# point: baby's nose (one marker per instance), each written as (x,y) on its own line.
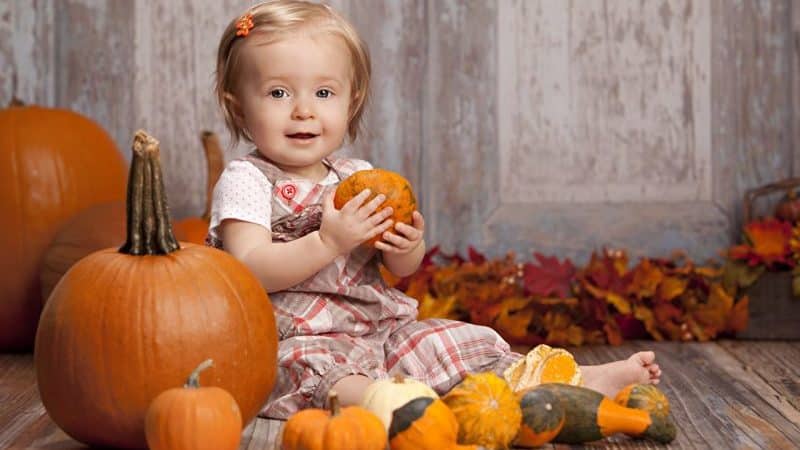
(302,110)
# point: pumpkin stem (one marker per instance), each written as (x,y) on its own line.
(333,403)
(15,102)
(194,379)
(214,164)
(149,227)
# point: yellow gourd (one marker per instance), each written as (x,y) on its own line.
(487,411)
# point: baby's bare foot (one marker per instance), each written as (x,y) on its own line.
(609,378)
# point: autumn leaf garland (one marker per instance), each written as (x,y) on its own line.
(552,301)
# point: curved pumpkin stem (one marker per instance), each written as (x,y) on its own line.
(214,164)
(149,227)
(194,379)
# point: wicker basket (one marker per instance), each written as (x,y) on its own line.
(774,310)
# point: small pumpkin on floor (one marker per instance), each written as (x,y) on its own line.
(194,417)
(348,428)
(543,364)
(542,418)
(397,189)
(589,416)
(646,397)
(487,411)
(384,396)
(425,423)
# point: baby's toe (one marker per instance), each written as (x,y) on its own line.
(644,358)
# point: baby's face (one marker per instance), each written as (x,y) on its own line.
(295,98)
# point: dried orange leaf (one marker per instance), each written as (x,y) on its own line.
(672,287)
(739,315)
(646,278)
(430,307)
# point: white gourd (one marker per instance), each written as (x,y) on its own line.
(384,396)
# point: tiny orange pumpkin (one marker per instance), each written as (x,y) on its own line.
(348,428)
(193,417)
(425,423)
(399,194)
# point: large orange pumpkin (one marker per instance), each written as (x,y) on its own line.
(124,325)
(102,226)
(53,163)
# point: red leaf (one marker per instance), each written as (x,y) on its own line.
(630,326)
(474,256)
(550,277)
(427,260)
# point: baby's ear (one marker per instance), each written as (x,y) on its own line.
(235,108)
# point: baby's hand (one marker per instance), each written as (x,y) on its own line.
(345,229)
(407,238)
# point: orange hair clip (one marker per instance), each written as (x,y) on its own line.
(244,25)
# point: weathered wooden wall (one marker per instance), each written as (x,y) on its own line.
(560,127)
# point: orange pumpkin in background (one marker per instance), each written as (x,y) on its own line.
(103,226)
(53,163)
(195,229)
(124,325)
(399,194)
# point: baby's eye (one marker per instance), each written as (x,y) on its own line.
(278,93)
(324,93)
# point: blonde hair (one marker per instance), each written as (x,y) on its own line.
(277,17)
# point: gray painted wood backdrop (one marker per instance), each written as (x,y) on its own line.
(556,126)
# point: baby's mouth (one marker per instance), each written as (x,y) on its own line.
(302,135)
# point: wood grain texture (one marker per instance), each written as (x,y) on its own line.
(459,168)
(94,64)
(175,54)
(496,111)
(715,400)
(775,362)
(794,9)
(396,33)
(751,101)
(634,130)
(27,52)
(653,229)
(724,394)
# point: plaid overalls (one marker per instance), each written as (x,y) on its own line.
(345,320)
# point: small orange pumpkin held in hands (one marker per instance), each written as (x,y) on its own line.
(194,417)
(399,194)
(349,428)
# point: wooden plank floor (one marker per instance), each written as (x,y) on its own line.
(728,394)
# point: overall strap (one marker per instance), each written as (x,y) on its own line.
(274,174)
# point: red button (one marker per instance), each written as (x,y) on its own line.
(288,191)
